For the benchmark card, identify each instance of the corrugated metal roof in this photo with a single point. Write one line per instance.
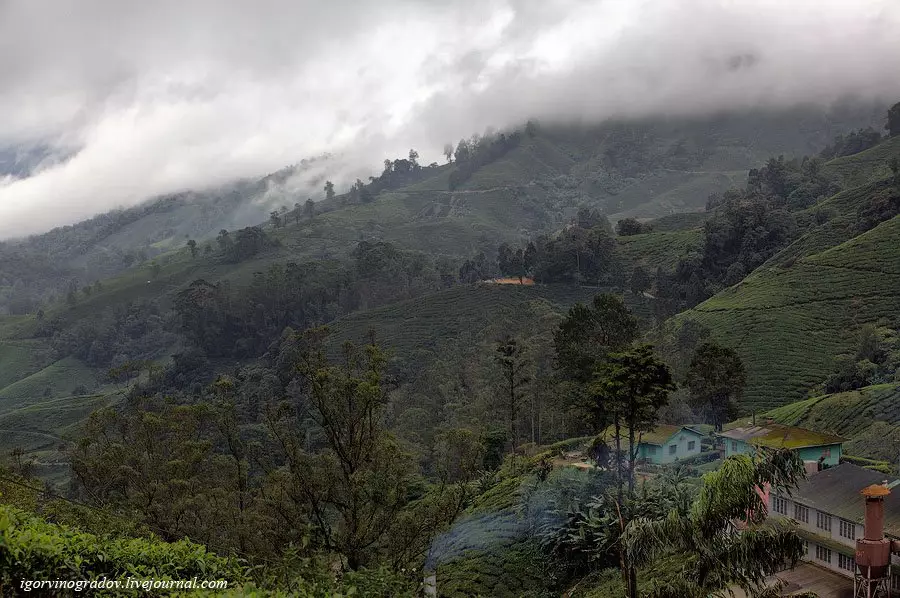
(837, 490)
(779, 436)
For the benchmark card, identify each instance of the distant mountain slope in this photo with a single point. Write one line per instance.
(659, 249)
(866, 167)
(645, 169)
(428, 324)
(535, 187)
(791, 317)
(789, 324)
(654, 167)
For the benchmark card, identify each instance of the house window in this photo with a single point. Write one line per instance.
(846, 562)
(823, 521)
(651, 449)
(801, 513)
(734, 446)
(673, 448)
(691, 444)
(779, 505)
(823, 554)
(826, 452)
(848, 530)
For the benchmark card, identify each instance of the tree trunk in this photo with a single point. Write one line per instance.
(512, 407)
(632, 582)
(618, 458)
(533, 408)
(631, 457)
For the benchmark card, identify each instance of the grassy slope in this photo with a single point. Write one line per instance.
(30, 418)
(788, 324)
(456, 223)
(866, 167)
(659, 249)
(59, 378)
(669, 192)
(500, 201)
(679, 222)
(868, 418)
(21, 358)
(421, 327)
(791, 317)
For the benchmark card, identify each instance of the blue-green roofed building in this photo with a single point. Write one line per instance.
(666, 443)
(812, 446)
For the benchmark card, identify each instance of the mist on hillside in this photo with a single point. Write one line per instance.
(147, 99)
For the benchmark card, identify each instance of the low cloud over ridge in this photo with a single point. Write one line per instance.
(156, 97)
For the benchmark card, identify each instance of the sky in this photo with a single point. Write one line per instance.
(137, 99)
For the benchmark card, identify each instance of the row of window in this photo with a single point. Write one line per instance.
(673, 448)
(847, 529)
(847, 563)
(779, 505)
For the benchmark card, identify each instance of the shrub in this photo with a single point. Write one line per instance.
(31, 548)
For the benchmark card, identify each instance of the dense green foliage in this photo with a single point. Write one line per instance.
(716, 379)
(711, 557)
(33, 549)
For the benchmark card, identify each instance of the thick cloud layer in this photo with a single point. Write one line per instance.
(152, 97)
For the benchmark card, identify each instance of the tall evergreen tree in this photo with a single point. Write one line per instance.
(582, 341)
(510, 356)
(716, 380)
(634, 385)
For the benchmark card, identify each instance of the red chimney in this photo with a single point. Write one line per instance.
(873, 552)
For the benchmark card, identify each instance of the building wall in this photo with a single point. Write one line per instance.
(736, 447)
(832, 452)
(827, 526)
(681, 445)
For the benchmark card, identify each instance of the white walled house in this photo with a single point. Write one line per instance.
(830, 511)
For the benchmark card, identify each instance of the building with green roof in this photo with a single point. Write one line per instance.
(666, 444)
(812, 446)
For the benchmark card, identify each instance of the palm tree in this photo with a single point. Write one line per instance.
(725, 539)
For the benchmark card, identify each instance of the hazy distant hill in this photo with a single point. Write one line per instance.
(644, 168)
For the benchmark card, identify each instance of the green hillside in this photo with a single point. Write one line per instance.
(643, 168)
(791, 317)
(58, 379)
(868, 418)
(426, 325)
(679, 222)
(535, 186)
(21, 358)
(865, 167)
(789, 323)
(659, 249)
(671, 192)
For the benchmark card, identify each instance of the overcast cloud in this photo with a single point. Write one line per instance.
(152, 97)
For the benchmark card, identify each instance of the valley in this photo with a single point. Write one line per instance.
(263, 341)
